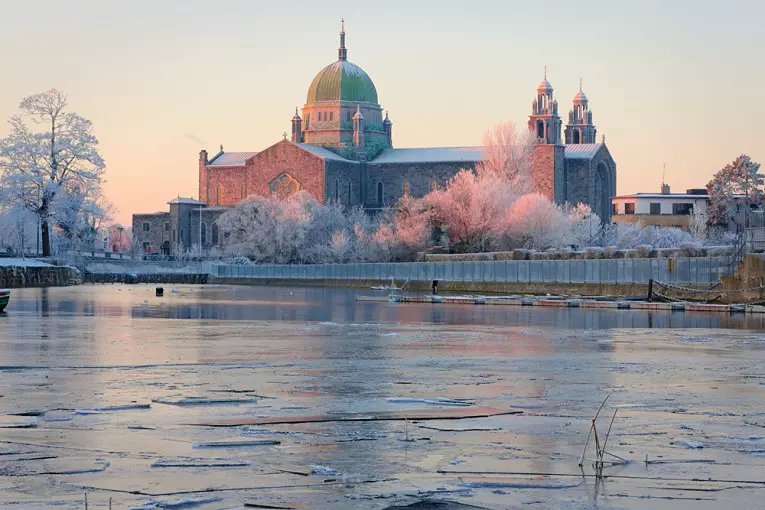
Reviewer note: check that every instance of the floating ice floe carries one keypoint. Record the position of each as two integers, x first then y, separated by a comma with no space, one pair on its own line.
200,401
232,444
194,463
324,470
178,503
433,401
446,428
125,407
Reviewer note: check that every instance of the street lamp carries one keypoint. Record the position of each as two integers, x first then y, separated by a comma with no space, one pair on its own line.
120,229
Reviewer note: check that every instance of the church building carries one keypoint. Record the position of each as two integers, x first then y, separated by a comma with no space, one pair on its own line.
341,148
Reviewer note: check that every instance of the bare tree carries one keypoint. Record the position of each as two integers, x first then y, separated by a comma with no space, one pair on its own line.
61,157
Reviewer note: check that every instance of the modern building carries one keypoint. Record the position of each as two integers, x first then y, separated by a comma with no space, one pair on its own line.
341,148
659,209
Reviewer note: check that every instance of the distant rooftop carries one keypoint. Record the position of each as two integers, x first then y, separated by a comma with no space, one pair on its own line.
230,158
467,154
185,201
322,152
663,195
582,150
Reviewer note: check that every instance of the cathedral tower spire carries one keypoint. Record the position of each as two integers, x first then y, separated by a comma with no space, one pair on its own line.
342,53
544,120
580,128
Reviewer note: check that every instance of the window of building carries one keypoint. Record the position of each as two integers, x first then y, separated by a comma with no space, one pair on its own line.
180,236
218,194
350,199
615,209
214,233
629,208
146,226
682,208
331,114
350,116
244,192
655,208
167,226
203,233
337,190
146,247
173,235
379,193
406,188
308,121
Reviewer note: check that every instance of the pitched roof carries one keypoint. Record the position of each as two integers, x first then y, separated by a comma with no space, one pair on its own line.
322,152
185,201
582,150
230,158
469,154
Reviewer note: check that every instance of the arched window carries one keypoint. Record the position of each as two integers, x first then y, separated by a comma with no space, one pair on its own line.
350,116
576,136
180,236
433,186
308,121
244,192
337,190
214,233
331,114
406,188
540,129
203,234
379,193
219,194
350,196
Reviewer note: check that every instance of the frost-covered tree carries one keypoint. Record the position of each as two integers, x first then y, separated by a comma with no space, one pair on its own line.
698,225
38,165
738,182
507,153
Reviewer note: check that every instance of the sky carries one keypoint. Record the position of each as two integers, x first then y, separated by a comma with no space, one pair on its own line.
673,83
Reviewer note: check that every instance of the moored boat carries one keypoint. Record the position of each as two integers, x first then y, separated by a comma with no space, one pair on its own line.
5,296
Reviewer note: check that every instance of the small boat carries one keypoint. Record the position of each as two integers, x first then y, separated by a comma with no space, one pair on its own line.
5,296
392,286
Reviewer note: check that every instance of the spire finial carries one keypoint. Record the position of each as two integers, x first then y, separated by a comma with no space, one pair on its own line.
342,53
545,72
221,147
296,111
580,84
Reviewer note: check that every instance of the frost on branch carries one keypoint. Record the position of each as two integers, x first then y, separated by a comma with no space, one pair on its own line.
60,159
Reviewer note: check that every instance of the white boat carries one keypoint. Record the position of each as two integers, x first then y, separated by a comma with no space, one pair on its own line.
5,296
392,286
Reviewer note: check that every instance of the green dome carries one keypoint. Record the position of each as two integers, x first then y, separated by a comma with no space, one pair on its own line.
342,81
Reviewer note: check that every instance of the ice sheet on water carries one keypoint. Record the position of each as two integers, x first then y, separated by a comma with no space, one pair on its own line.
198,463
324,470
233,444
124,407
433,401
178,503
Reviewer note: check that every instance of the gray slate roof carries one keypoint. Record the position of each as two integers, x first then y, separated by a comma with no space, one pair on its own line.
231,158
185,201
322,152
469,154
582,150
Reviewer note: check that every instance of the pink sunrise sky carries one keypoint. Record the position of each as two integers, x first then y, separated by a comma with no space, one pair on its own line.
669,82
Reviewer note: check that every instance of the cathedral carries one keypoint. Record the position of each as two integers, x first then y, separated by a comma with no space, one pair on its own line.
341,148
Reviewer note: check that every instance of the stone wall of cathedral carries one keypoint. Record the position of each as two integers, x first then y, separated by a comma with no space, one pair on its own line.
547,170
419,179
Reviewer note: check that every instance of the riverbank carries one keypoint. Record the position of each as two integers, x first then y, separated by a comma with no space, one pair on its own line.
18,273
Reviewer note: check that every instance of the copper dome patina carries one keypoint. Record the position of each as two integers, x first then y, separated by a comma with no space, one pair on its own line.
342,81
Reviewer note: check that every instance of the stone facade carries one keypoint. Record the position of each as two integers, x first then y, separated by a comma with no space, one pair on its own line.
342,149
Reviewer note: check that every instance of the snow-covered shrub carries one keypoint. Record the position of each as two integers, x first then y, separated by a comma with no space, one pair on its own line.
669,237
237,261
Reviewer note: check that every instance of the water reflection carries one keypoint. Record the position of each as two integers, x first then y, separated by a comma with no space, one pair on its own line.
236,303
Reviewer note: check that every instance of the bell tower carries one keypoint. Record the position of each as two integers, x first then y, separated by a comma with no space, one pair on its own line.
544,120
547,165
580,128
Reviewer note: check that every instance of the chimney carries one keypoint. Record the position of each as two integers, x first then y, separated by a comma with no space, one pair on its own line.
664,189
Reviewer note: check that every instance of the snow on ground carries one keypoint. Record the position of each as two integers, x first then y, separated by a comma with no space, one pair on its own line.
22,263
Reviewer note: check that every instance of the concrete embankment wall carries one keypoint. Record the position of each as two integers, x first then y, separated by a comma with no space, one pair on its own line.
583,277
179,278
538,288
43,276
